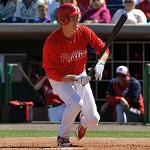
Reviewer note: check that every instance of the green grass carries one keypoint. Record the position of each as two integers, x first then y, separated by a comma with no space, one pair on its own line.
46,133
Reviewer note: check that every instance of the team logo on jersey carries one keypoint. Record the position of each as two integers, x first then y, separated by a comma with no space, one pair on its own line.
75,55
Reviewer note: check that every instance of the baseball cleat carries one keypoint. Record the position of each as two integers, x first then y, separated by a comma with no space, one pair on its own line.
80,132
63,142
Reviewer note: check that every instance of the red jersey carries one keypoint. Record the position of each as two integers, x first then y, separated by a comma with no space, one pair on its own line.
63,56
50,96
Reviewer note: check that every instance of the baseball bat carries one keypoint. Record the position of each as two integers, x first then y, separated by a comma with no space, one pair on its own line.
113,35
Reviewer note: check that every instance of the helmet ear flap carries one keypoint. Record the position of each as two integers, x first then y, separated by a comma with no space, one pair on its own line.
64,20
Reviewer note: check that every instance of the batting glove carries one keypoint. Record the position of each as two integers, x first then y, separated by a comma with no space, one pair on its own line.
83,80
99,70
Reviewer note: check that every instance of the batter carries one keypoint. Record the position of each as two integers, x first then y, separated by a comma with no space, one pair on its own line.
64,60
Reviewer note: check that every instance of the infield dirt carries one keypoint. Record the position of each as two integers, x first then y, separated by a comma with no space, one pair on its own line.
49,143
46,143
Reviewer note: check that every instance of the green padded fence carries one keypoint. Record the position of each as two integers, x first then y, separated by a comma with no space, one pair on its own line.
8,81
147,93
4,110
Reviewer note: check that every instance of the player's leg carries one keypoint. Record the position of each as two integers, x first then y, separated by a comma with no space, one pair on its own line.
133,115
49,113
54,114
61,109
89,114
121,115
73,105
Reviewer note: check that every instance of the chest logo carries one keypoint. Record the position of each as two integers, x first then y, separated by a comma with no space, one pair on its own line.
74,56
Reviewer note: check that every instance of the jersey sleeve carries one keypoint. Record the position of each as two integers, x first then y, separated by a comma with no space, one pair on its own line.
110,88
134,96
111,98
51,60
94,42
134,91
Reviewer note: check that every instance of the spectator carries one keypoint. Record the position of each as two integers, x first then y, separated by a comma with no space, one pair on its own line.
7,8
52,6
135,16
67,1
27,9
124,93
83,5
53,102
145,7
97,14
42,8
9,14
13,19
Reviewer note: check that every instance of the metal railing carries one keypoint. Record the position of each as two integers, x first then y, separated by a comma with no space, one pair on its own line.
147,93
8,83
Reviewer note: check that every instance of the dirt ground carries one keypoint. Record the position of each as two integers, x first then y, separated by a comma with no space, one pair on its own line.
49,143
85,144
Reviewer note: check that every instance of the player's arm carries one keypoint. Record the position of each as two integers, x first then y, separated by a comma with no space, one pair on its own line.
83,80
111,95
134,91
104,107
39,84
97,44
69,78
105,57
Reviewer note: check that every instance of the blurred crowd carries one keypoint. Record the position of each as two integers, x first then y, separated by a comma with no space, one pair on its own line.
92,11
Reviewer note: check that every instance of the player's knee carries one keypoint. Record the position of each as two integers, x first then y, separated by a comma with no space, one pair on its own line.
77,104
95,119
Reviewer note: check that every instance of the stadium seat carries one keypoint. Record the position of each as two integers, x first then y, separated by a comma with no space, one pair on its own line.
114,2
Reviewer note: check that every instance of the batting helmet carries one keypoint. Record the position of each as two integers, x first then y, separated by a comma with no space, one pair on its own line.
65,11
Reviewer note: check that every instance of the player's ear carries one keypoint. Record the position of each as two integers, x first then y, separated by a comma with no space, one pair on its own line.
63,20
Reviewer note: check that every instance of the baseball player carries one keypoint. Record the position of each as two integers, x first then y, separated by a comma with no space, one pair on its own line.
124,92
64,61
53,102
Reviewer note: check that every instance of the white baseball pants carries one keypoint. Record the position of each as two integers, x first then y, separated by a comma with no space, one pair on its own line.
128,115
77,98
55,113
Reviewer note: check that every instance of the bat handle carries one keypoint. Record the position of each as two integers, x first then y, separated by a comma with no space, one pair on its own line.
92,69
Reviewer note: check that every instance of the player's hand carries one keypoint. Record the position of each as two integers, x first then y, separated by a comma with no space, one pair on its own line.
99,70
104,107
83,80
124,103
